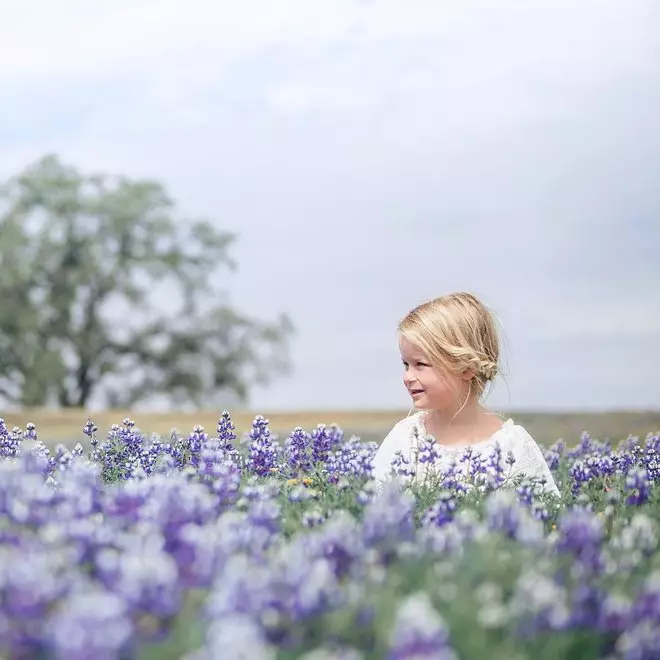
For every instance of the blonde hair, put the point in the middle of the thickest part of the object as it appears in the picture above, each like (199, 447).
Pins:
(457, 333)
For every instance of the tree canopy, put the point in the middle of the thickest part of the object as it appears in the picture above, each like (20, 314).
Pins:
(106, 293)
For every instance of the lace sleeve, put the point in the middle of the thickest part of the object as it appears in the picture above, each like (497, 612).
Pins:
(531, 463)
(396, 440)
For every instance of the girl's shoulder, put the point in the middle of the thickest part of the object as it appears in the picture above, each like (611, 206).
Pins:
(513, 429)
(406, 425)
(512, 433)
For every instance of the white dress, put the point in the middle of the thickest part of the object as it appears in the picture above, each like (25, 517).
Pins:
(408, 435)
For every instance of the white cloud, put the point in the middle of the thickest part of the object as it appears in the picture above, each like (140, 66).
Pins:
(373, 154)
(150, 36)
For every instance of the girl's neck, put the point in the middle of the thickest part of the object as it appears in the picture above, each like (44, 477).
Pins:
(472, 414)
(469, 425)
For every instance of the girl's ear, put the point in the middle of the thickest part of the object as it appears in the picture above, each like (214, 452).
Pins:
(468, 374)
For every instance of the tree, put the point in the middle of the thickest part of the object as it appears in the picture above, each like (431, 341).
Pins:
(104, 292)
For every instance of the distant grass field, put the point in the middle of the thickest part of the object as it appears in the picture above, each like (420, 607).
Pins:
(66, 426)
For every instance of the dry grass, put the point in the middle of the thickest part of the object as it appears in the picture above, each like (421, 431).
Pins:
(66, 426)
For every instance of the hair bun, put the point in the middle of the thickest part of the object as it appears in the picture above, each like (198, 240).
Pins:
(489, 370)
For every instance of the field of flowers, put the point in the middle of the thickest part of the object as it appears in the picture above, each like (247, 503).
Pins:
(216, 546)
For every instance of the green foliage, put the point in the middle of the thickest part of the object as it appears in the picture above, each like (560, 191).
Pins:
(477, 588)
(107, 292)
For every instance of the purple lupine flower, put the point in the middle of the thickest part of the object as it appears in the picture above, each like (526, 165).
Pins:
(235, 636)
(121, 452)
(226, 431)
(651, 456)
(37, 459)
(525, 494)
(323, 442)
(90, 430)
(581, 535)
(554, 454)
(588, 446)
(247, 588)
(627, 459)
(298, 451)
(504, 514)
(580, 473)
(293, 587)
(33, 580)
(196, 549)
(339, 541)
(30, 433)
(129, 435)
(605, 466)
(582, 448)
(10, 442)
(487, 470)
(539, 603)
(442, 511)
(90, 624)
(466, 459)
(306, 585)
(647, 603)
(615, 613)
(401, 466)
(262, 457)
(163, 456)
(637, 487)
(266, 514)
(475, 467)
(62, 457)
(178, 513)
(193, 444)
(640, 638)
(387, 521)
(495, 469)
(586, 602)
(419, 631)
(639, 642)
(336, 436)
(429, 450)
(592, 467)
(219, 469)
(539, 511)
(146, 578)
(638, 539)
(353, 459)
(452, 478)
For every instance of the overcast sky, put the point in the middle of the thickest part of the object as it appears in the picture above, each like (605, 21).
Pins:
(373, 154)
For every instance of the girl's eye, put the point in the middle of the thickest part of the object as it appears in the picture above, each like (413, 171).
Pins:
(422, 364)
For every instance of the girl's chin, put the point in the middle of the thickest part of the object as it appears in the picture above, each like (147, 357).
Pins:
(419, 402)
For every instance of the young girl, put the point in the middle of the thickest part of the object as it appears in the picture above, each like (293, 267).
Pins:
(450, 352)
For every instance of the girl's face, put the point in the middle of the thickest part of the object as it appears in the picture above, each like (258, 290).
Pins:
(429, 388)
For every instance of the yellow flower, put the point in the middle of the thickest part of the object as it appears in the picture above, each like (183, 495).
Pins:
(291, 482)
(307, 481)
